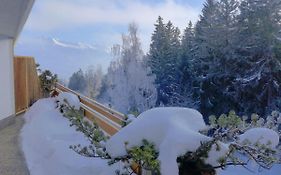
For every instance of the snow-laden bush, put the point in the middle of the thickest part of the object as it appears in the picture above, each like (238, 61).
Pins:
(254, 137)
(177, 141)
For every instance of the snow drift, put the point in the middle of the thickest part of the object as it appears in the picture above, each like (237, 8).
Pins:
(262, 136)
(46, 137)
(174, 131)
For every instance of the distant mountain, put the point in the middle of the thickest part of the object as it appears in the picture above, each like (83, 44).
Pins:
(80, 45)
(63, 58)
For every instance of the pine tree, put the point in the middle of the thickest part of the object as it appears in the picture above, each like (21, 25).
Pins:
(163, 58)
(209, 58)
(157, 45)
(77, 81)
(259, 55)
(187, 81)
(170, 83)
(206, 36)
(227, 28)
(215, 34)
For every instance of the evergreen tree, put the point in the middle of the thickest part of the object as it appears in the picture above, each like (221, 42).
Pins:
(163, 58)
(227, 28)
(156, 54)
(187, 81)
(206, 36)
(214, 34)
(259, 55)
(77, 81)
(170, 83)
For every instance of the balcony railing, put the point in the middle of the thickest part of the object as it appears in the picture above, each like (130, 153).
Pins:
(107, 118)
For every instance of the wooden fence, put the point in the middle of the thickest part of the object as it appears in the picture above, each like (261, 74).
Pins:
(108, 119)
(27, 85)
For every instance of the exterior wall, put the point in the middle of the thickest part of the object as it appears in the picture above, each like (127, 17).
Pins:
(7, 97)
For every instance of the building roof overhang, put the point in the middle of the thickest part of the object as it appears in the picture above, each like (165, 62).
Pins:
(13, 15)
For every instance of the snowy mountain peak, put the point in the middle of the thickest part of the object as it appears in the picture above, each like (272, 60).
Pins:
(79, 45)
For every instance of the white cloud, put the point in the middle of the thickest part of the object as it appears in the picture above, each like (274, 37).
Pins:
(49, 15)
(50, 18)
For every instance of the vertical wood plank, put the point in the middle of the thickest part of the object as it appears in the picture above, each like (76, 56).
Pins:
(27, 85)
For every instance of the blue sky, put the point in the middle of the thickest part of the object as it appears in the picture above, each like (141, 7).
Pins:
(98, 23)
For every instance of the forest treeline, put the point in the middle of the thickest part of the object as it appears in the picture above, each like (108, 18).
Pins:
(228, 60)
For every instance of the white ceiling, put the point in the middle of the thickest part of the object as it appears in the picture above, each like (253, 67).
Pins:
(13, 15)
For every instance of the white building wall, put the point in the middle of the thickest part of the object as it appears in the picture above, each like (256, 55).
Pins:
(7, 97)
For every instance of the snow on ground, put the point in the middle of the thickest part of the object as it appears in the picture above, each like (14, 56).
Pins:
(46, 137)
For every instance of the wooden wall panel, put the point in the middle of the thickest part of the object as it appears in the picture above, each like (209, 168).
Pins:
(27, 85)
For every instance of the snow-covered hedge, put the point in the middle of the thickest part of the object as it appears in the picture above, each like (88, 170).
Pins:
(168, 137)
(173, 131)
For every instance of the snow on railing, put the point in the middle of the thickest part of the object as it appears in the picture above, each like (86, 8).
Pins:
(108, 119)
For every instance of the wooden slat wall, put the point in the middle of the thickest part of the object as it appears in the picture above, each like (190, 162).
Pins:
(27, 85)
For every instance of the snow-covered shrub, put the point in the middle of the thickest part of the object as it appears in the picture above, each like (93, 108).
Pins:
(137, 158)
(193, 162)
(173, 131)
(181, 136)
(177, 141)
(145, 156)
(253, 137)
(69, 106)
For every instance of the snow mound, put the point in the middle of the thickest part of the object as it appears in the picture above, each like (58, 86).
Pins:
(172, 130)
(72, 99)
(130, 118)
(46, 137)
(262, 136)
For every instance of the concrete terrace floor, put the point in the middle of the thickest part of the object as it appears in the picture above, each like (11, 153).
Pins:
(12, 161)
